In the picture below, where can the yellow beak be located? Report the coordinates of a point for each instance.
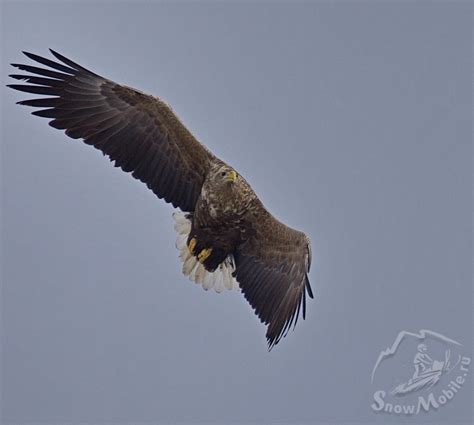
(231, 177)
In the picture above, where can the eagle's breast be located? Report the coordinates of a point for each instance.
(220, 204)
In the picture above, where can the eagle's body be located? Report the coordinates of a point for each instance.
(226, 237)
(222, 218)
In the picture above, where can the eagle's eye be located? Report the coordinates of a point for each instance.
(223, 173)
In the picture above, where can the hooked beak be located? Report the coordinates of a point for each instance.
(231, 177)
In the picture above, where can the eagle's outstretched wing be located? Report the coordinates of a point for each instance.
(137, 131)
(143, 136)
(272, 270)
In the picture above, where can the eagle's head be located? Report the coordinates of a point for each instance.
(225, 176)
(227, 190)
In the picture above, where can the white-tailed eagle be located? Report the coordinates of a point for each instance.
(226, 237)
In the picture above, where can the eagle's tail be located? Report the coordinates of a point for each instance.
(220, 279)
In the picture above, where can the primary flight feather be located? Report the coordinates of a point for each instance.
(226, 237)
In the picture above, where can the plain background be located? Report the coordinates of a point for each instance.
(352, 121)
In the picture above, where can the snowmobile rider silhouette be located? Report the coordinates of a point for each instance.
(422, 361)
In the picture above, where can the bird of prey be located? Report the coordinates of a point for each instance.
(226, 237)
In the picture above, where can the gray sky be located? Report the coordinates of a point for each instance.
(352, 121)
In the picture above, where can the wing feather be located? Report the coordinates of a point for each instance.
(272, 270)
(144, 137)
(140, 133)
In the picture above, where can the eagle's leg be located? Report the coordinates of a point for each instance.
(192, 245)
(203, 250)
(212, 271)
(202, 254)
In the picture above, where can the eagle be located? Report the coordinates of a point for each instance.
(226, 238)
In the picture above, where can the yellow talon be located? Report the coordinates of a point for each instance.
(204, 255)
(192, 245)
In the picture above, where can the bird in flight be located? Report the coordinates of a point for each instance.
(226, 237)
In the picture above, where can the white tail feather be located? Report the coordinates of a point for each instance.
(220, 279)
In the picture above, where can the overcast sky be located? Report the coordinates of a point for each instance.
(352, 121)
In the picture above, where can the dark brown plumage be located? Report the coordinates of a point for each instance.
(226, 233)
